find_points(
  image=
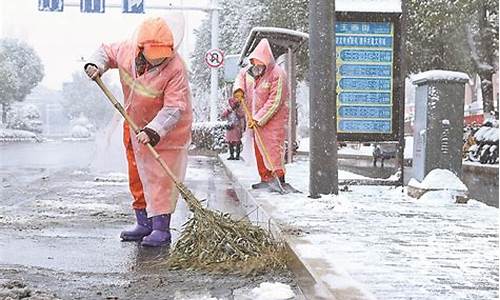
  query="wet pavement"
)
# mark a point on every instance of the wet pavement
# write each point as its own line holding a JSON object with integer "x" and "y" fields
{"x": 60, "y": 220}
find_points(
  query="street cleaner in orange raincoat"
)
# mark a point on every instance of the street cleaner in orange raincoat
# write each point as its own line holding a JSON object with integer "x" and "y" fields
{"x": 263, "y": 88}
{"x": 157, "y": 97}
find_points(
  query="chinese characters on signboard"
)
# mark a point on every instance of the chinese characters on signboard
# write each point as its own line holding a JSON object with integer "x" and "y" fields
{"x": 364, "y": 77}
{"x": 50, "y": 5}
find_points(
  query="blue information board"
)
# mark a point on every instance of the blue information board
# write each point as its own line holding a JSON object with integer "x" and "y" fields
{"x": 133, "y": 6}
{"x": 365, "y": 52}
{"x": 92, "y": 6}
{"x": 50, "y": 5}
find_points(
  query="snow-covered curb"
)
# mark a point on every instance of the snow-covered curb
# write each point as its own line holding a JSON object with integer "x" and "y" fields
{"x": 317, "y": 278}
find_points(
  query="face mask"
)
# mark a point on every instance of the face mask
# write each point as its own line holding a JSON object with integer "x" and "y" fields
{"x": 257, "y": 70}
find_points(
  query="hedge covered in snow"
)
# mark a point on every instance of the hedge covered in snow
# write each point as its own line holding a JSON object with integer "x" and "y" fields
{"x": 209, "y": 136}
{"x": 14, "y": 135}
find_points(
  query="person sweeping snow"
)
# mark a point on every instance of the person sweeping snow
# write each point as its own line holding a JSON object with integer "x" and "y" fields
{"x": 158, "y": 99}
{"x": 263, "y": 89}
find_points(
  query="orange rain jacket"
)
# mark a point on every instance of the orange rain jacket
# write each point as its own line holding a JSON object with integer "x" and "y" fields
{"x": 148, "y": 100}
{"x": 267, "y": 98}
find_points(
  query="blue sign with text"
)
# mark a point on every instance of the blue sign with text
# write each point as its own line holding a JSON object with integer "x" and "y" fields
{"x": 362, "y": 28}
{"x": 363, "y": 41}
{"x": 365, "y": 74}
{"x": 92, "y": 6}
{"x": 133, "y": 6}
{"x": 365, "y": 84}
{"x": 365, "y": 112}
{"x": 50, "y": 5}
{"x": 365, "y": 126}
{"x": 363, "y": 70}
{"x": 364, "y": 98}
{"x": 376, "y": 56}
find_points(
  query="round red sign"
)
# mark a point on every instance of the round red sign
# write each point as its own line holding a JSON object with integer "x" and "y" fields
{"x": 214, "y": 58}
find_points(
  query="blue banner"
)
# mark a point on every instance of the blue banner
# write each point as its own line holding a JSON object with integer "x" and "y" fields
{"x": 365, "y": 112}
{"x": 365, "y": 70}
{"x": 364, "y": 98}
{"x": 384, "y": 56}
{"x": 50, "y": 5}
{"x": 133, "y": 6}
{"x": 92, "y": 6}
{"x": 365, "y": 126}
{"x": 362, "y": 28}
{"x": 365, "y": 84}
{"x": 363, "y": 41}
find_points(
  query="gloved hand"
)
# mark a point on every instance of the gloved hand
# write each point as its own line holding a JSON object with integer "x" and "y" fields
{"x": 148, "y": 135}
{"x": 239, "y": 95}
{"x": 92, "y": 71}
{"x": 252, "y": 124}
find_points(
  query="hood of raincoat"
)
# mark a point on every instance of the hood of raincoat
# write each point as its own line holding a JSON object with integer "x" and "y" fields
{"x": 263, "y": 53}
{"x": 159, "y": 36}
{"x": 155, "y": 38}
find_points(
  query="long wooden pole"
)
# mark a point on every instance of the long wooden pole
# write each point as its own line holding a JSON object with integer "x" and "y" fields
{"x": 267, "y": 157}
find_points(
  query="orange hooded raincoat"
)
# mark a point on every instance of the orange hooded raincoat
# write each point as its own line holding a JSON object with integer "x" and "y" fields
{"x": 148, "y": 99}
{"x": 267, "y": 98}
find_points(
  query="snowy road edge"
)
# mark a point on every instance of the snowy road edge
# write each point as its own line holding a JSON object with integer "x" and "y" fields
{"x": 310, "y": 283}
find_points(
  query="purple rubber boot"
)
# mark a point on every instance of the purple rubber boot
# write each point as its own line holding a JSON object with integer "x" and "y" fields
{"x": 161, "y": 232}
{"x": 143, "y": 227}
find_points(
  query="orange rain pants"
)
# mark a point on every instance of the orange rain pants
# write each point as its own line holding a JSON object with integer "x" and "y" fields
{"x": 135, "y": 183}
{"x": 265, "y": 174}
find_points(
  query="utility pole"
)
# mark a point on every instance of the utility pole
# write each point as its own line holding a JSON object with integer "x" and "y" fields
{"x": 214, "y": 78}
{"x": 323, "y": 177}
{"x": 402, "y": 95}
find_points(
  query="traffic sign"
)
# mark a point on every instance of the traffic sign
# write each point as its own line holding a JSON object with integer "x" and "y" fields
{"x": 92, "y": 6}
{"x": 50, "y": 5}
{"x": 214, "y": 58}
{"x": 133, "y": 6}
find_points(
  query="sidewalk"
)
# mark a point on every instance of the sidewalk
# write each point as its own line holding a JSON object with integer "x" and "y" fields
{"x": 374, "y": 242}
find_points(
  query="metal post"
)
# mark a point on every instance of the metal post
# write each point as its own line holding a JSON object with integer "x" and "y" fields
{"x": 323, "y": 178}
{"x": 402, "y": 96}
{"x": 291, "y": 103}
{"x": 214, "y": 79}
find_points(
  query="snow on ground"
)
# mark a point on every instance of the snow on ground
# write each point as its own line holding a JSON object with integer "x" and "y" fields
{"x": 387, "y": 244}
{"x": 272, "y": 291}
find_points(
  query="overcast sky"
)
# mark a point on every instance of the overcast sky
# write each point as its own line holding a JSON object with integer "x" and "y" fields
{"x": 61, "y": 38}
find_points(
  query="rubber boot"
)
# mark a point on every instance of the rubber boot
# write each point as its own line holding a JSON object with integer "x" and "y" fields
{"x": 231, "y": 152}
{"x": 143, "y": 227}
{"x": 160, "y": 236}
{"x": 238, "y": 151}
{"x": 260, "y": 185}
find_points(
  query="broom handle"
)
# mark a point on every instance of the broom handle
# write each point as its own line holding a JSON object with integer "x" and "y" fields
{"x": 259, "y": 138}
{"x": 136, "y": 129}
